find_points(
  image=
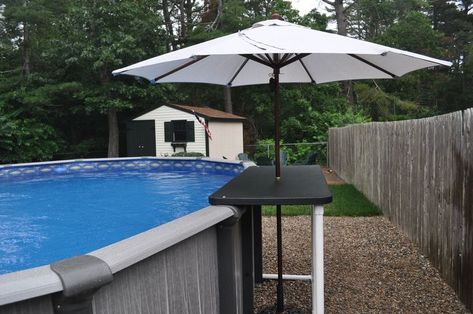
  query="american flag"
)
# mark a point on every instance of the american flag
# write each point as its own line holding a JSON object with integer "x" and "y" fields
{"x": 204, "y": 124}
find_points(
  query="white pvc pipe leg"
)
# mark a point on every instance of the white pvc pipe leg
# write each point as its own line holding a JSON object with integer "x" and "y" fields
{"x": 317, "y": 259}
{"x": 288, "y": 277}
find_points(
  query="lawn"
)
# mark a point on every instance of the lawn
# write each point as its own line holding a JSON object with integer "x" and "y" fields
{"x": 347, "y": 201}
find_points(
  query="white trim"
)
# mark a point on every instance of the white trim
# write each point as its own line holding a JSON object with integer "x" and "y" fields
{"x": 55, "y": 162}
{"x": 130, "y": 251}
{"x": 27, "y": 284}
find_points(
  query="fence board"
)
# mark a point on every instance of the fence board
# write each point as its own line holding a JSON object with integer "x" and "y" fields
{"x": 420, "y": 173}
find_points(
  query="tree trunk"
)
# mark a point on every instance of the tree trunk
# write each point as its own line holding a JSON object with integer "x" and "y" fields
{"x": 348, "y": 91}
{"x": 227, "y": 92}
{"x": 340, "y": 16}
{"x": 216, "y": 23}
{"x": 113, "y": 140}
{"x": 171, "y": 45}
{"x": 26, "y": 50}
{"x": 467, "y": 6}
{"x": 112, "y": 117}
{"x": 189, "y": 19}
{"x": 182, "y": 22}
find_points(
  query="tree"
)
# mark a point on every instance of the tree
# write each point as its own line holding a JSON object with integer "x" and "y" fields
{"x": 180, "y": 17}
{"x": 26, "y": 28}
{"x": 454, "y": 20}
{"x": 261, "y": 10}
{"x": 315, "y": 20}
{"x": 413, "y": 33}
{"x": 100, "y": 36}
{"x": 368, "y": 19}
{"x": 341, "y": 8}
{"x": 57, "y": 92}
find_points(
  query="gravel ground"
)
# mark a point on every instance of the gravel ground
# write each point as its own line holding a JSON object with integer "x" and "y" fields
{"x": 370, "y": 267}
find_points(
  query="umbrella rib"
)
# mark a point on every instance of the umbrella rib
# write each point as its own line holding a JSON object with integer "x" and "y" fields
{"x": 307, "y": 71}
{"x": 285, "y": 56}
{"x": 372, "y": 65}
{"x": 258, "y": 60}
{"x": 259, "y": 42}
{"x": 268, "y": 57}
{"x": 294, "y": 59}
{"x": 238, "y": 71}
{"x": 185, "y": 65}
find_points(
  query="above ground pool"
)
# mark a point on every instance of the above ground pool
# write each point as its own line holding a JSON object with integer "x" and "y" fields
{"x": 53, "y": 211}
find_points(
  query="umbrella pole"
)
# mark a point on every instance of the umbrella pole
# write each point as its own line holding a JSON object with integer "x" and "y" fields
{"x": 277, "y": 123}
{"x": 277, "y": 118}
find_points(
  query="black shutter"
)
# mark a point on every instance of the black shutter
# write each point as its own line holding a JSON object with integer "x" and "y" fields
{"x": 190, "y": 131}
{"x": 168, "y": 132}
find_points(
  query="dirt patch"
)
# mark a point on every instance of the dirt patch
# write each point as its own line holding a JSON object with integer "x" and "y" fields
{"x": 331, "y": 176}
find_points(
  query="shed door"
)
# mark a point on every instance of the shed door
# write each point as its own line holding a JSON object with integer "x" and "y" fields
{"x": 141, "y": 138}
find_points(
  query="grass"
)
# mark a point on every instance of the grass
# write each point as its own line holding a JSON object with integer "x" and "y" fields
{"x": 347, "y": 201}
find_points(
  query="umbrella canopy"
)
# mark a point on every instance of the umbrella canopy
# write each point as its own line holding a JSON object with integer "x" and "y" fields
{"x": 305, "y": 56}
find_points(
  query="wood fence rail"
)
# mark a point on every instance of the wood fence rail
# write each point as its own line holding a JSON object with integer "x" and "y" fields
{"x": 420, "y": 173}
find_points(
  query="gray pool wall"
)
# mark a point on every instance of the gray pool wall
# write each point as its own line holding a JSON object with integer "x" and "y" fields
{"x": 199, "y": 263}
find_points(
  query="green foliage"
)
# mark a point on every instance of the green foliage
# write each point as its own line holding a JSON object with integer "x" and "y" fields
{"x": 314, "y": 20}
{"x": 263, "y": 9}
{"x": 72, "y": 47}
{"x": 118, "y": 33}
{"x": 56, "y": 59}
{"x": 413, "y": 33}
{"x": 314, "y": 125}
{"x": 294, "y": 153}
{"x": 188, "y": 154}
{"x": 306, "y": 127}
{"x": 347, "y": 201}
{"x": 25, "y": 140}
{"x": 87, "y": 148}
{"x": 264, "y": 148}
{"x": 368, "y": 19}
{"x": 235, "y": 17}
{"x": 385, "y": 107}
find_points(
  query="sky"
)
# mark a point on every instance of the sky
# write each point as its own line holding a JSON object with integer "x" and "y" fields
{"x": 304, "y": 6}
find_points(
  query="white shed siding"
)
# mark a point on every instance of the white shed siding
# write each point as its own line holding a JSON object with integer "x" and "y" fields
{"x": 227, "y": 139}
{"x": 165, "y": 114}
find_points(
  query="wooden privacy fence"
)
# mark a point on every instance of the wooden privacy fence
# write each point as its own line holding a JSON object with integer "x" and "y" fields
{"x": 420, "y": 173}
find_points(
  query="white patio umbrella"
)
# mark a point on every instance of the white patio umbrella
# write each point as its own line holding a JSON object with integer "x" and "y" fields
{"x": 285, "y": 52}
{"x": 274, "y": 52}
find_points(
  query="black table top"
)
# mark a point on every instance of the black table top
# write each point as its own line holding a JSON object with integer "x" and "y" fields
{"x": 298, "y": 185}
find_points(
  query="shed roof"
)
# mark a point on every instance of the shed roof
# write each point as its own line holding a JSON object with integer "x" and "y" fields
{"x": 207, "y": 112}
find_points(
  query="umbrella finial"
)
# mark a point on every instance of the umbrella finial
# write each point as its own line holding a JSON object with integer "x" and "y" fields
{"x": 276, "y": 16}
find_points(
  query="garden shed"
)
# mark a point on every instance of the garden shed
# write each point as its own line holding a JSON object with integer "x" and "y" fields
{"x": 170, "y": 129}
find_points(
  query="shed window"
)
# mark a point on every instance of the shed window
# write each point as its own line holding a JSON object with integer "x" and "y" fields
{"x": 179, "y": 131}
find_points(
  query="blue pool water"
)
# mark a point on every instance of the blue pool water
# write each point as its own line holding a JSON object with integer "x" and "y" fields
{"x": 46, "y": 219}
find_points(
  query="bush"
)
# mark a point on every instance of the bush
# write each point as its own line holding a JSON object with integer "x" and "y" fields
{"x": 188, "y": 154}
{"x": 26, "y": 140}
{"x": 294, "y": 152}
{"x": 311, "y": 126}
